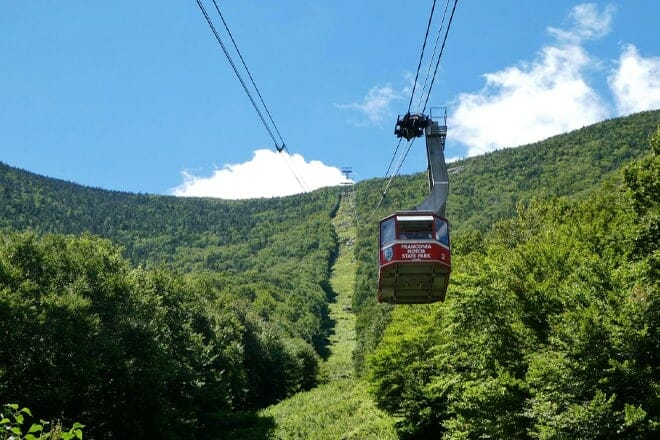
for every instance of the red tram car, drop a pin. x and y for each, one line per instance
(414, 258)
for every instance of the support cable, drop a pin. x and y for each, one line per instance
(403, 158)
(435, 47)
(389, 181)
(238, 75)
(444, 41)
(442, 49)
(292, 167)
(421, 55)
(261, 99)
(396, 150)
(282, 146)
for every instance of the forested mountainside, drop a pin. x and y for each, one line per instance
(154, 229)
(488, 188)
(550, 328)
(222, 306)
(159, 317)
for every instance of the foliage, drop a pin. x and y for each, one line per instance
(132, 352)
(488, 188)
(11, 426)
(551, 330)
(245, 326)
(191, 314)
(189, 234)
(338, 409)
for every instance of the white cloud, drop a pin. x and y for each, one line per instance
(535, 100)
(588, 24)
(267, 174)
(375, 107)
(524, 104)
(636, 82)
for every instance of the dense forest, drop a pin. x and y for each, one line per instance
(485, 189)
(550, 329)
(147, 316)
(154, 317)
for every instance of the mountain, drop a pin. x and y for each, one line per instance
(488, 188)
(152, 228)
(151, 316)
(185, 311)
(550, 327)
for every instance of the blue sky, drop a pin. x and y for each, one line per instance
(137, 96)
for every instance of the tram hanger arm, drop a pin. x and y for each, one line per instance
(436, 201)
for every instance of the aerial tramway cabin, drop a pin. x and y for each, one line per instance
(414, 258)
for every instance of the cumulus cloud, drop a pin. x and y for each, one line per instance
(267, 174)
(531, 102)
(375, 107)
(636, 82)
(588, 24)
(538, 99)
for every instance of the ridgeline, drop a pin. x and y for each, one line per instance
(146, 316)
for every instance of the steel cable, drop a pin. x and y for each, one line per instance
(421, 55)
(444, 41)
(261, 99)
(238, 75)
(435, 47)
(442, 49)
(279, 148)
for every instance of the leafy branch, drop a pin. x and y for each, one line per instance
(12, 420)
